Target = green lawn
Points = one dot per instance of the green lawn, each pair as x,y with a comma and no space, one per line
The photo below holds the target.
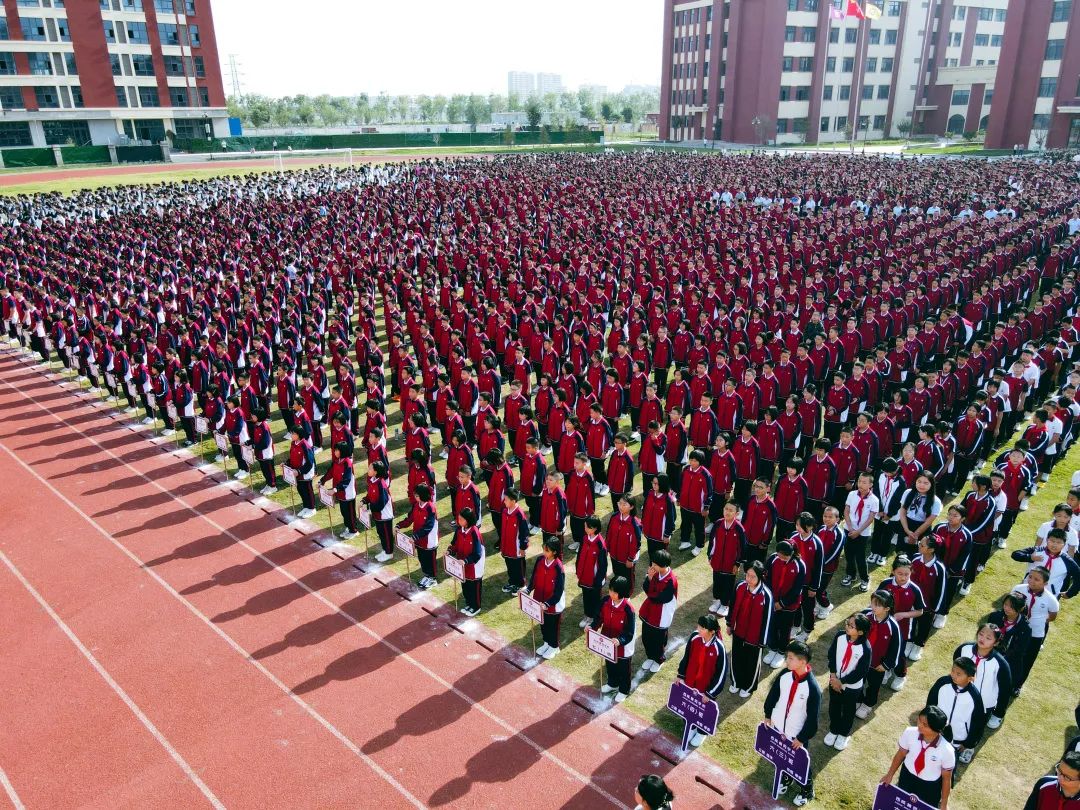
969,149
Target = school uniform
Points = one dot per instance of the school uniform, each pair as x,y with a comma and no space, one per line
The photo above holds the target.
343,479
993,678
302,459
580,501
820,476
1038,610
617,621
513,543
727,547
812,553
1047,795
624,546
889,491
548,585
759,521
923,765
532,471
423,523
930,576
657,612
849,661
886,650
704,664
833,540
786,580
591,566
954,553
981,514
749,623
792,706
790,499
657,519
860,512
468,546
1064,570
963,706
262,442
553,512
695,494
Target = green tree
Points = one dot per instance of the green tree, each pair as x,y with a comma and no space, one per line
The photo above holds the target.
476,110
628,114
401,107
607,111
455,109
362,106
438,108
381,108
534,113
426,107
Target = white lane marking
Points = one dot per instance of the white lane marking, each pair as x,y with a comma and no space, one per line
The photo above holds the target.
9,789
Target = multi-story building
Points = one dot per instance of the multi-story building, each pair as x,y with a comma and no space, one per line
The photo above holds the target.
520,83
102,71
548,83
753,71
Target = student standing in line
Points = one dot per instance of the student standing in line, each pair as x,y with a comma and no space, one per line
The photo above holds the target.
1061,789
1015,633
513,540
749,624
468,546
553,509
548,585
591,567
886,649
928,573
342,477
860,508
792,707
727,546
704,663
657,611
262,442
302,459
925,759
957,696
624,541
812,553
236,428
849,662
580,498
785,574
908,605
993,678
423,524
833,539
1041,607
657,514
617,621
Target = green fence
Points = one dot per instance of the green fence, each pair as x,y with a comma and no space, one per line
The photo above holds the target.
139,154
74,155
21,158
389,140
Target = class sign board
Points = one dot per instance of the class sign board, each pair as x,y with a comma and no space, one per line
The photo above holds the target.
326,497
774,747
247,452
289,474
222,442
606,648
890,797
405,544
454,567
696,710
364,515
533,608
202,425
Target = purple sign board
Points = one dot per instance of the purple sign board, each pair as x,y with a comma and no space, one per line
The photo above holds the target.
774,747
890,797
692,706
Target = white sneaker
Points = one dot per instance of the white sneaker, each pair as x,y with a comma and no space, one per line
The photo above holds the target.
220,459
841,743
993,721
545,451
907,649
444,453
605,490
696,739
168,432
820,613
574,546
93,389
777,661
596,488
585,622
607,688
939,620
802,635
966,755
348,536
550,653
898,683
619,698
708,528
916,653
862,711
744,693
148,421
964,590
1024,505
533,530
685,546
715,607
723,611
1001,542
733,689
543,648
382,556
830,738
306,513
654,666
269,490
241,475
695,551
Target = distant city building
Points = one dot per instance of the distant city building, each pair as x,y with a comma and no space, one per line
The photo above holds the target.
144,68
799,70
520,83
599,91
548,83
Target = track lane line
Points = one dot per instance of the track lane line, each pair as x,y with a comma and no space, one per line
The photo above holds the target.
9,789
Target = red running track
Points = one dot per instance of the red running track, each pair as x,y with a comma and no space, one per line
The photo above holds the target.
169,640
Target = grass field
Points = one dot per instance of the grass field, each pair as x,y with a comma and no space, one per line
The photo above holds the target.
1038,725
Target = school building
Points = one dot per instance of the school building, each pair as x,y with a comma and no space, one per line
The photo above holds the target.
108,71
799,71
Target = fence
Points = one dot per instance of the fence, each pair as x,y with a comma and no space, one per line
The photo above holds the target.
73,155
389,140
26,158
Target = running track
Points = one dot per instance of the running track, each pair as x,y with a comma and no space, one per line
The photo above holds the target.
168,640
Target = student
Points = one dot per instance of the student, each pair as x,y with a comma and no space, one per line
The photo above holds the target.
954,544
792,707
993,678
1015,633
749,624
695,494
513,540
624,541
849,663
580,499
1064,571
553,509
591,567
979,515
657,514
727,547
908,605
786,576
381,505
925,759
532,472
790,498
889,489
620,470
657,611
617,620
958,697
886,649
468,546
237,430
860,509
652,793
342,477
548,585
262,442
759,521
833,539
919,510
1061,789
423,524
598,442
820,476
466,493
704,663
812,553
1041,607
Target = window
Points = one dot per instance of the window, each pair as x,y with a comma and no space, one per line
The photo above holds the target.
800,125
4,34
7,64
851,35
204,96
845,92
33,28
195,42
1047,87
69,65
708,13
121,97
47,99
890,36
864,122
15,133
982,40
988,97
830,64
809,35
841,123
792,5
11,98
957,38
875,36
704,71
886,64
810,5
986,14
849,64
29,3
806,63
995,41
114,62
867,92
62,30
110,32
148,97
961,96
1061,11
879,122
788,64
136,33
999,15
40,64
169,33
834,35
152,130
1041,121
892,8
802,93
824,125
781,127
178,97
827,93
166,6
785,94
882,91
871,65
1055,48
959,12
142,64
789,33
61,132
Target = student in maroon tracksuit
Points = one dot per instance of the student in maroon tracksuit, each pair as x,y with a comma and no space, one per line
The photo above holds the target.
722,469
513,540
620,470
548,585
658,515
624,541
598,440
344,484
553,508
727,547
833,541
591,567
695,495
908,605
422,523
580,500
929,574
747,455
749,624
676,443
790,498
618,621
812,553
955,552
759,521
785,574
657,611
532,472
820,475
468,546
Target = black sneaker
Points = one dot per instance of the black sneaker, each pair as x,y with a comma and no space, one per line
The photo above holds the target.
846,581
864,586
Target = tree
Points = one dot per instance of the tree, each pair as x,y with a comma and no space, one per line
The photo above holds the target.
904,128
587,112
401,107
381,109
455,109
628,114
362,106
426,107
438,108
476,110
534,113
607,111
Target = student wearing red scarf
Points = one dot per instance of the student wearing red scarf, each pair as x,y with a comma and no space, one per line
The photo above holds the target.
792,707
925,759
849,663
886,649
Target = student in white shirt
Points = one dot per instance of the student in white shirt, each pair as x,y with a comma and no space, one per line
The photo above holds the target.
925,759
860,509
1063,519
1041,608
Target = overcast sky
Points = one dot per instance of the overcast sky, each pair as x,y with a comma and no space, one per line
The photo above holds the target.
345,47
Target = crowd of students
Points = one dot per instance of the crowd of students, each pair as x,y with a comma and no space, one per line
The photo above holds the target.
801,359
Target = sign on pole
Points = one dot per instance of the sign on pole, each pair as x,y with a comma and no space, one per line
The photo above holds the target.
774,747
326,497
202,425
405,544
606,648
692,706
454,567
890,797
533,608
247,452
222,442
364,516
289,474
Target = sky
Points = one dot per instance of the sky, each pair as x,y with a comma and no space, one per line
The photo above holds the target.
346,47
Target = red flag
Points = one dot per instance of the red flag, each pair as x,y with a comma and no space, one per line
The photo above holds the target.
855,10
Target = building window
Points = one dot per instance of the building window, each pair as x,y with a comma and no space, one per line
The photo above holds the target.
62,30
824,125
892,8
47,98
986,14
810,5
114,62
29,3
849,64
152,130
169,33
1047,87
957,38
875,36
195,42
841,123
110,32
142,64
40,64
121,97
792,5
66,132
11,98
1061,11
959,12
137,34
864,122
788,64
33,28
879,122
174,66
178,96
830,64
961,96
845,92
15,133
802,93
995,41
1041,121
204,96
834,35
1054,48
982,40
800,125
988,97
785,93
7,64
886,64
851,35
781,127
148,97
883,91
806,63
890,36
4,34
827,94
871,65
69,65
867,92
809,35
789,33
